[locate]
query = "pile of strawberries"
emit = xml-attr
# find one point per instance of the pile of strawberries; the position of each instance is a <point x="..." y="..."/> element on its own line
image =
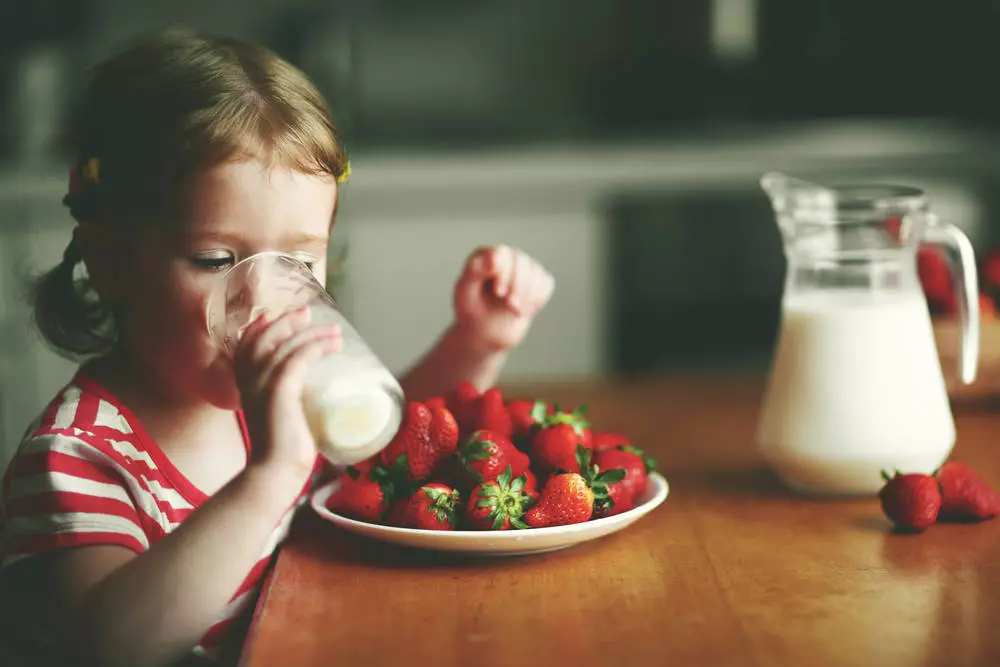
<point x="915" y="501"/>
<point x="471" y="461"/>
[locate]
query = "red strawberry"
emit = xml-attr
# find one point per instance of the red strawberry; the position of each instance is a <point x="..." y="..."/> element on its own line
<point x="965" y="496"/>
<point x="482" y="457"/>
<point x="570" y="497"/>
<point x="553" y="445"/>
<point x="396" y="516"/>
<point x="498" y="504"/>
<point x="991" y="268"/>
<point x="432" y="507"/>
<point x="424" y="439"/>
<point x="523" y="413"/>
<point x="444" y="431"/>
<point x="608" y="439"/>
<point x="530" y="483"/>
<point x="911" y="501"/>
<point x="935" y="275"/>
<point x="519" y="461"/>
<point x="436" y="402"/>
<point x="621" y="500"/>
<point x="633" y="461"/>
<point x="489" y="413"/>
<point x="460" y="402"/>
<point x="362" y="495"/>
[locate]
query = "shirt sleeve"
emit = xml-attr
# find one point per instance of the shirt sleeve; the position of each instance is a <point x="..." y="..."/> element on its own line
<point x="61" y="491"/>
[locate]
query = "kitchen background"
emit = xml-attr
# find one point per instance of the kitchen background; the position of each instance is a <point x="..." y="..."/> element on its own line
<point x="618" y="142"/>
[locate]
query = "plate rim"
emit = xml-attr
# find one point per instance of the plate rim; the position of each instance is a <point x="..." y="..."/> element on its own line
<point x="660" y="493"/>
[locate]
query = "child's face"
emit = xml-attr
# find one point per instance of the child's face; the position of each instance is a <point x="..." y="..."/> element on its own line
<point x="233" y="211"/>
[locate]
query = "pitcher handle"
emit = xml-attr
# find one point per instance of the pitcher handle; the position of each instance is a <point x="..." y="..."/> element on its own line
<point x="950" y="237"/>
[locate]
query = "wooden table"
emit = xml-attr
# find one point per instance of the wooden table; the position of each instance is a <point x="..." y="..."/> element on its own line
<point x="731" y="570"/>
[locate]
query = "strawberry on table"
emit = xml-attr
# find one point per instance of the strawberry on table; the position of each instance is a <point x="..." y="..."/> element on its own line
<point x="911" y="501"/>
<point x="965" y="496"/>
<point x="482" y="457"/>
<point x="362" y="495"/>
<point x="935" y="275"/>
<point x="498" y="504"/>
<point x="554" y="442"/>
<point x="571" y="497"/>
<point x="431" y="507"/>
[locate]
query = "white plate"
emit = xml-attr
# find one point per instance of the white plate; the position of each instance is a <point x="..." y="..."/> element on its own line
<point x="495" y="543"/>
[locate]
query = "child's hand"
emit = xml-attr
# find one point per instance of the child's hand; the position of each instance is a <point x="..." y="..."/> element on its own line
<point x="270" y="364"/>
<point x="499" y="292"/>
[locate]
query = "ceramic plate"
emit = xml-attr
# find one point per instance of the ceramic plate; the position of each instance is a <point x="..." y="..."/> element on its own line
<point x="507" y="542"/>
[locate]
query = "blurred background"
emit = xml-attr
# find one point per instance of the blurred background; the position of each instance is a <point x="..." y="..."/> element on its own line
<point x="620" y="143"/>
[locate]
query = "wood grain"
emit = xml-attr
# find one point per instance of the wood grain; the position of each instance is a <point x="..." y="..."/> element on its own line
<point x="731" y="570"/>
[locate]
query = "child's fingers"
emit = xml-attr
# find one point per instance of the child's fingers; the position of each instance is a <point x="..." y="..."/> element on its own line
<point x="502" y="270"/>
<point x="521" y="281"/>
<point x="541" y="287"/>
<point x="289" y="376"/>
<point x="256" y="347"/>
<point x="329" y="333"/>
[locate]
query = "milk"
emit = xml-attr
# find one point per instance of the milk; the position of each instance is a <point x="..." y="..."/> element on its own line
<point x="352" y="403"/>
<point x="855" y="388"/>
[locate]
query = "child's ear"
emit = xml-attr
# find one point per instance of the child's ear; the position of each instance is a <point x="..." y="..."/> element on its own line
<point x="101" y="251"/>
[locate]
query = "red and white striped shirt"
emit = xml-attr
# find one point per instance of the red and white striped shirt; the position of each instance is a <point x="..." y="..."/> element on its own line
<point x="88" y="473"/>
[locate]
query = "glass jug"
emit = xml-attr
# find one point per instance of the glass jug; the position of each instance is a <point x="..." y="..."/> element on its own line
<point x="856" y="386"/>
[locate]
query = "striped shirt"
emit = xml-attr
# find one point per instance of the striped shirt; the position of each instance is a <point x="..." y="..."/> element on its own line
<point x="87" y="473"/>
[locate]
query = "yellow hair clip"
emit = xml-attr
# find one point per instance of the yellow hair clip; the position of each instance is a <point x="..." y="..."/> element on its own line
<point x="347" y="172"/>
<point x="92" y="171"/>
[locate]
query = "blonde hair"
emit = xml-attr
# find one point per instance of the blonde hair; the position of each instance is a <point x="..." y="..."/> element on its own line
<point x="171" y="105"/>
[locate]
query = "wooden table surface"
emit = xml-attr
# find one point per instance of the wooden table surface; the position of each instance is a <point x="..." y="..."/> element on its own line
<point x="731" y="570"/>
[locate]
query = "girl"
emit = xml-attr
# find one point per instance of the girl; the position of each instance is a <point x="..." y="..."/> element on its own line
<point x="142" y="509"/>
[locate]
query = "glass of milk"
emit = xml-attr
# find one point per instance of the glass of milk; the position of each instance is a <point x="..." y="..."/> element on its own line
<point x="353" y="404"/>
<point x="856" y="385"/>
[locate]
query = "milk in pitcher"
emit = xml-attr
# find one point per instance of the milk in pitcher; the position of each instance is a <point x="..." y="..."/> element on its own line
<point x="855" y="388"/>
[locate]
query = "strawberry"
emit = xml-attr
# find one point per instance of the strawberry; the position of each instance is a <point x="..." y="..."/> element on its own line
<point x="553" y="445"/>
<point x="608" y="439"/>
<point x="911" y="501"/>
<point x="571" y="497"/>
<point x="523" y="414"/>
<point x="396" y="516"/>
<point x="935" y="275"/>
<point x="425" y="438"/>
<point x="965" y="496"/>
<point x="621" y="500"/>
<point x="362" y="495"/>
<point x="489" y="413"/>
<point x="460" y="402"/>
<point x="991" y="268"/>
<point x="431" y="507"/>
<point x="498" y="504"/>
<point x="633" y="461"/>
<point x="443" y="432"/>
<point x="436" y="402"/>
<point x="482" y="457"/>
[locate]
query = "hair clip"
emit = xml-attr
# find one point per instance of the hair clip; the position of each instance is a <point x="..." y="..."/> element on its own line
<point x="92" y="171"/>
<point x="346" y="173"/>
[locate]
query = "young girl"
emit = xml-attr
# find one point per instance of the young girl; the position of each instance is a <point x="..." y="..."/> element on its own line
<point x="142" y="510"/>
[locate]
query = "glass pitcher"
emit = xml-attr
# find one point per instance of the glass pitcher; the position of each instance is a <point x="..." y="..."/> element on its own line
<point x="856" y="386"/>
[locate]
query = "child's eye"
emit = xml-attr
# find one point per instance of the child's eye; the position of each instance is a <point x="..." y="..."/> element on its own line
<point x="217" y="263"/>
